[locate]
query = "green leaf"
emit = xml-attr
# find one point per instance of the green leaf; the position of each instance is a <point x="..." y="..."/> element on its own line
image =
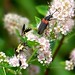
<point x="1" y="13"/>
<point x="2" y="42"/>
<point x="2" y="71"/>
<point x="4" y="64"/>
<point x="37" y="20"/>
<point x="35" y="50"/>
<point x="42" y="9"/>
<point x="18" y="34"/>
<point x="32" y="43"/>
<point x="52" y="43"/>
<point x="62" y="63"/>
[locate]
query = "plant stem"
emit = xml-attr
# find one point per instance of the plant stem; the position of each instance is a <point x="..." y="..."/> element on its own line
<point x="12" y="71"/>
<point x="55" y="53"/>
<point x="58" y="48"/>
<point x="7" y="5"/>
<point x="32" y="55"/>
<point x="4" y="71"/>
<point x="47" y="71"/>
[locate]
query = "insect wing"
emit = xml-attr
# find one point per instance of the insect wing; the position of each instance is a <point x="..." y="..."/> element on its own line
<point x="23" y="28"/>
<point x="27" y="30"/>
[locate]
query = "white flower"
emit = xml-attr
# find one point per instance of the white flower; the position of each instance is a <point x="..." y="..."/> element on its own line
<point x="48" y="61"/>
<point x="62" y="22"/>
<point x="24" y="64"/>
<point x="42" y="40"/>
<point x="69" y="65"/>
<point x="31" y="36"/>
<point x="22" y="58"/>
<point x="72" y="56"/>
<point x="41" y="57"/>
<point x="1" y="60"/>
<point x="67" y="26"/>
<point x="13" y="21"/>
<point x="65" y="8"/>
<point x="2" y="57"/>
<point x="44" y="52"/>
<point x="18" y="61"/>
<point x="45" y="56"/>
<point x="63" y="27"/>
<point x="44" y="43"/>
<point x="2" y="54"/>
<point x="14" y="61"/>
<point x="57" y="29"/>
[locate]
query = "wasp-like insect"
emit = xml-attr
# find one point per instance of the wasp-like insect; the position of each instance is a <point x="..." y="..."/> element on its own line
<point x="25" y="30"/>
<point x="22" y="45"/>
<point x="44" y="23"/>
<point x="22" y="48"/>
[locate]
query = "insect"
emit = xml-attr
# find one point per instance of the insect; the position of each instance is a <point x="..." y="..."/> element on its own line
<point x="22" y="48"/>
<point x="44" y="23"/>
<point x="19" y="48"/>
<point x="25" y="30"/>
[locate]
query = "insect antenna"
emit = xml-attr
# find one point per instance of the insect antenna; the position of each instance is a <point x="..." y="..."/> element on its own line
<point x="49" y="7"/>
<point x="54" y="12"/>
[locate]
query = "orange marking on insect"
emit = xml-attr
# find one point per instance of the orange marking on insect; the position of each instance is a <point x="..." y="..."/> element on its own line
<point x="45" y="21"/>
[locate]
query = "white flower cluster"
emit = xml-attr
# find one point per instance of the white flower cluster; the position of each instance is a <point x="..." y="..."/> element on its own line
<point x="18" y="61"/>
<point x="72" y="56"/>
<point x="70" y="64"/>
<point x="31" y="36"/>
<point x="13" y="21"/>
<point x="62" y="22"/>
<point x="2" y="57"/>
<point x="66" y="26"/>
<point x="14" y="61"/>
<point x="44" y="52"/>
<point x="65" y="9"/>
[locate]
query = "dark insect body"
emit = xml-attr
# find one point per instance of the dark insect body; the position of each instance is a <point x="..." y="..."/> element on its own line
<point x="45" y="23"/>
<point x="22" y="48"/>
<point x="23" y="45"/>
<point x="25" y="30"/>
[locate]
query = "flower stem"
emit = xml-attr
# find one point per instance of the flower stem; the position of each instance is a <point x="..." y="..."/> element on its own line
<point x="55" y="53"/>
<point x="7" y="5"/>
<point x="4" y="71"/>
<point x="58" y="48"/>
<point x="12" y="71"/>
<point x="32" y="55"/>
<point x="47" y="71"/>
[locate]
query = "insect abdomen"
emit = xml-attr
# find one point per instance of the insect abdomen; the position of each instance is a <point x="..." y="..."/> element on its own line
<point x="42" y="26"/>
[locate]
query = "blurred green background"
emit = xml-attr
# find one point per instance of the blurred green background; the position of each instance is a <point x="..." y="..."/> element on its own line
<point x="27" y="8"/>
